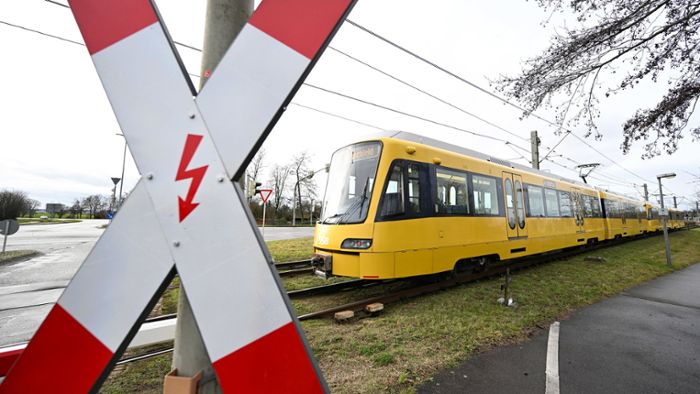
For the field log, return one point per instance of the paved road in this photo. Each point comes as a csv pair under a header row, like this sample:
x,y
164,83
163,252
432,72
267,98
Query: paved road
x,y
29,288
646,340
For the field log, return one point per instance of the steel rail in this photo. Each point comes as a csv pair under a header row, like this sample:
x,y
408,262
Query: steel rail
x,y
459,279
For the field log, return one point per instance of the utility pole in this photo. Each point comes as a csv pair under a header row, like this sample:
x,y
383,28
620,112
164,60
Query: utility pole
x,y
664,216
646,193
224,20
675,203
535,149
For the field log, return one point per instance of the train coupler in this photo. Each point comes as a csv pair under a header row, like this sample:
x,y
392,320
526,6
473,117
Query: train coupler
x,y
322,265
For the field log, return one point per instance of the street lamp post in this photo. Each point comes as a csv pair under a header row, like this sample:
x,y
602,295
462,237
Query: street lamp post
x,y
664,216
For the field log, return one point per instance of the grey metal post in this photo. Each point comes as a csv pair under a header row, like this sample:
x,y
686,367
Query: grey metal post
x,y
224,20
535,149
121,185
664,219
646,192
294,205
7,230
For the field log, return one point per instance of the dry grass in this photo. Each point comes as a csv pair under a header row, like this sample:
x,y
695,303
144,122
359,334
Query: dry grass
x,y
15,255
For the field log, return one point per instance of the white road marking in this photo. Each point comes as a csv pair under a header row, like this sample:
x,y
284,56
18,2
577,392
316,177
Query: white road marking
x,y
552,370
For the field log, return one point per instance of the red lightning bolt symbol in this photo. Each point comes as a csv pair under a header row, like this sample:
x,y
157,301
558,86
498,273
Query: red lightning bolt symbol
x,y
187,205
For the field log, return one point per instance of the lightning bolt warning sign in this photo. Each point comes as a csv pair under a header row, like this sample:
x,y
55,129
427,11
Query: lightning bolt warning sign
x,y
186,206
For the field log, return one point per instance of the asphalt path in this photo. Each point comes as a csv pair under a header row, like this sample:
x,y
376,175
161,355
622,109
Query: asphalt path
x,y
646,340
29,288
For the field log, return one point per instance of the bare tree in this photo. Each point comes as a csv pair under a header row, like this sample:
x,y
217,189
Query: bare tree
x,y
622,41
13,204
278,183
257,164
94,204
76,209
32,205
303,177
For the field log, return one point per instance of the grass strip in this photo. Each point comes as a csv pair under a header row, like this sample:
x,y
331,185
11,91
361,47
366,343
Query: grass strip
x,y
412,340
14,255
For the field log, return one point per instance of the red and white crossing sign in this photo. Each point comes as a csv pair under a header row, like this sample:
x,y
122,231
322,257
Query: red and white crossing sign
x,y
185,215
265,194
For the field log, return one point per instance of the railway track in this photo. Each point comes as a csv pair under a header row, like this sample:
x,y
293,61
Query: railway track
x,y
464,278
404,293
294,268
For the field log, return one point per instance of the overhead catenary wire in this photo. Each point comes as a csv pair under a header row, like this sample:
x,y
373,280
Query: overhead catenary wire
x,y
424,119
174,42
475,86
338,116
550,150
68,40
412,86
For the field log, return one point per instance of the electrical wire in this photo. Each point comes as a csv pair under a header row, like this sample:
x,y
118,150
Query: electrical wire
x,y
474,85
338,116
413,116
355,59
58,37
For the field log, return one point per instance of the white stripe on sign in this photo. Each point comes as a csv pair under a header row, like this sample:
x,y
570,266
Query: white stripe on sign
x,y
253,88
552,370
121,273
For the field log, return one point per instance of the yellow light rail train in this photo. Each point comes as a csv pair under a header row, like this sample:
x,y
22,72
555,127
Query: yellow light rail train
x,y
404,205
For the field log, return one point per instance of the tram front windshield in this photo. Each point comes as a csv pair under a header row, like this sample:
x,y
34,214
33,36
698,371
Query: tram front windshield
x,y
350,182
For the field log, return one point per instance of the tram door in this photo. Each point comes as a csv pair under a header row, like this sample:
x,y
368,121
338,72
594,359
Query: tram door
x,y
514,197
577,200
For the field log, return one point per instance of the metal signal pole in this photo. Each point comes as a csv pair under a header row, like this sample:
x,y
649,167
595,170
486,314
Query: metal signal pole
x,y
224,20
646,193
535,149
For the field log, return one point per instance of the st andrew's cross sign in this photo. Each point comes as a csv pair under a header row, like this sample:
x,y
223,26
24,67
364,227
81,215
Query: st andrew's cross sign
x,y
185,215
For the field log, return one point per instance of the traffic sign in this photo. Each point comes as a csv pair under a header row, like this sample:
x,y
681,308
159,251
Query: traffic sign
x,y
265,194
8,226
116,180
190,144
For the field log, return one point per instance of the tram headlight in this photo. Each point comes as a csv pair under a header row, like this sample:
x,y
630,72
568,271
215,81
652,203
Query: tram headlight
x,y
353,243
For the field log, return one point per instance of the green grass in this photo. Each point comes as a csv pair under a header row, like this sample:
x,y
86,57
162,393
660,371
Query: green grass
x,y
403,347
291,249
31,221
14,255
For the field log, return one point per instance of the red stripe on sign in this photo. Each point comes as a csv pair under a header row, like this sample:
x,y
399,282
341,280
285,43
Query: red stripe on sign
x,y
303,25
105,22
61,357
275,363
7,359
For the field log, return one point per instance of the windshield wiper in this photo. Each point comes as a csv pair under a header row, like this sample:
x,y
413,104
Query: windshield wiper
x,y
351,210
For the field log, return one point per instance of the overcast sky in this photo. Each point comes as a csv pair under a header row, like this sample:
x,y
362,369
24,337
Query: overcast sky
x,y
57,130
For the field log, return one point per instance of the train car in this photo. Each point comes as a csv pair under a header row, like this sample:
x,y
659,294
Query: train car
x,y
676,219
653,218
403,205
624,217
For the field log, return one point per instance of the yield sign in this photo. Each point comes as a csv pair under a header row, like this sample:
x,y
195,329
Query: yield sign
x,y
185,215
265,194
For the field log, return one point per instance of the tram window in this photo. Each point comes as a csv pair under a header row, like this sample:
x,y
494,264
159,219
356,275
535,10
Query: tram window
x,y
393,197
451,192
520,204
535,200
485,195
414,187
351,187
552,202
586,201
595,207
510,204
565,204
